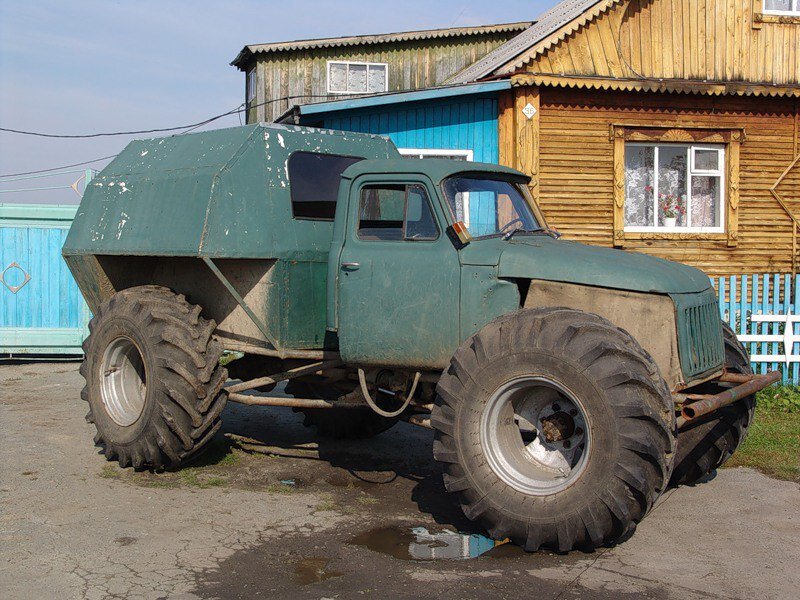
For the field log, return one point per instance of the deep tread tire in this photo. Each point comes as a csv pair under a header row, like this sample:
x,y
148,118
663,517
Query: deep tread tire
x,y
341,423
630,416
184,392
707,444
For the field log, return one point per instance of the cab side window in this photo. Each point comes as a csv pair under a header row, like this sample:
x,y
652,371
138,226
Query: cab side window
x,y
395,213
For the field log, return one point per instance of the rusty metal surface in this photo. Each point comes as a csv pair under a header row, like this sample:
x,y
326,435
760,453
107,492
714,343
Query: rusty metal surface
x,y
709,404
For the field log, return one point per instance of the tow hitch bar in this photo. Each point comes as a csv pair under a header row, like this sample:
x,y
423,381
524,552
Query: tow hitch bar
x,y
697,405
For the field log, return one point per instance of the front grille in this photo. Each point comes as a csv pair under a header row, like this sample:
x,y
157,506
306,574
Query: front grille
x,y
700,340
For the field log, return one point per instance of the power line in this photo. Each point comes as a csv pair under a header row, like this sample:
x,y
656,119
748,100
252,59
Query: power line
x,y
239,109
80,164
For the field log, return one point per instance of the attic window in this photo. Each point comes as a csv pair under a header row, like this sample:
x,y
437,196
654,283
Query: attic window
x,y
347,77
251,84
790,8
314,183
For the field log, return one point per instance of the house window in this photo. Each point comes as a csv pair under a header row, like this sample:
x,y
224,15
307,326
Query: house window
x,y
251,84
674,187
782,7
436,153
347,77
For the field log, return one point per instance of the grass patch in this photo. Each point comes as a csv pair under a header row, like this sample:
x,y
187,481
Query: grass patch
x,y
110,472
773,443
280,488
192,478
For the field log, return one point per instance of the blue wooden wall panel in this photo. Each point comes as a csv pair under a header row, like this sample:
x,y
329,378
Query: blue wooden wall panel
x,y
452,124
47,315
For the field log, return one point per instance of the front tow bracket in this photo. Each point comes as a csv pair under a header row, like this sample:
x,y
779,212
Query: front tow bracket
x,y
697,405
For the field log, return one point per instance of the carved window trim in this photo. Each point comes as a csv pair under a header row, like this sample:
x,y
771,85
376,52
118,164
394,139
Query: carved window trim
x,y
761,16
732,138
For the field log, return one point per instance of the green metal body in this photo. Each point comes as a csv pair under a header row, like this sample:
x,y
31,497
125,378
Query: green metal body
x,y
225,195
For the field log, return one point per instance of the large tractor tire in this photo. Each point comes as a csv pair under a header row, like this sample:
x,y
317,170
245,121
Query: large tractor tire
x,y
338,423
153,380
555,429
707,443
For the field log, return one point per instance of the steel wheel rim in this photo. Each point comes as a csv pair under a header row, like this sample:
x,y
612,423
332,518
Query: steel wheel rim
x,y
123,381
527,440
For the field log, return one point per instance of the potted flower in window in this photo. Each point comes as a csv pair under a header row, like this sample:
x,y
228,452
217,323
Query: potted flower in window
x,y
672,207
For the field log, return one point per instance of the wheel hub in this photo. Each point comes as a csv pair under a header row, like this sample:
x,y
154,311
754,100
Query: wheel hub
x,y
123,385
534,434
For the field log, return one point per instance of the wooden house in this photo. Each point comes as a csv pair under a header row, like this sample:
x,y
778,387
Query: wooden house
x,y
285,73
670,127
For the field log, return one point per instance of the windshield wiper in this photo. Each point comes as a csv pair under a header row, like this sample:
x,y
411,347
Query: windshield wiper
x,y
547,231
511,233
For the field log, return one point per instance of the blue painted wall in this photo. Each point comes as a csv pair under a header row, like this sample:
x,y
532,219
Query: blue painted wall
x,y
451,124
47,314
455,123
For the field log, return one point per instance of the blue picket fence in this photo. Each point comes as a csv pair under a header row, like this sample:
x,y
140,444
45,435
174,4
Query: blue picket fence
x,y
764,311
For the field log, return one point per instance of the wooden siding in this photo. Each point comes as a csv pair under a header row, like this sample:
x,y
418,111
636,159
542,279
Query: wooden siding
x,y
697,40
47,315
576,170
412,65
452,124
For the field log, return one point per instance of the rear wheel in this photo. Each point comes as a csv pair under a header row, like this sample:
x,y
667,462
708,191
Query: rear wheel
x,y
153,380
555,429
707,443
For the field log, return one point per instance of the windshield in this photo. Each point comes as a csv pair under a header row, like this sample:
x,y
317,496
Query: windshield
x,y
489,206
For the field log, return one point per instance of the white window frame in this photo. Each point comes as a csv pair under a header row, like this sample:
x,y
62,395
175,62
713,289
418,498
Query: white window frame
x,y
436,152
692,148
439,152
250,84
794,12
347,63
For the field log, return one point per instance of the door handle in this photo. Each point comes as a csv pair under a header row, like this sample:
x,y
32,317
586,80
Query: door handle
x,y
351,266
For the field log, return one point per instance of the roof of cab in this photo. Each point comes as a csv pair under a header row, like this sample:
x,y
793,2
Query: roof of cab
x,y
435,168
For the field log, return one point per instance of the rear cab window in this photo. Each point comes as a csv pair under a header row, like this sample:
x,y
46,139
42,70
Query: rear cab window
x,y
314,183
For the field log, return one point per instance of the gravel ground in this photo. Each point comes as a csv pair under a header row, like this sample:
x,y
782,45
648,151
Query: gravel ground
x,y
273,512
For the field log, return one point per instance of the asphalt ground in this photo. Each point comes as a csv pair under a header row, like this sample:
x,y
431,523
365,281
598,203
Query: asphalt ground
x,y
272,512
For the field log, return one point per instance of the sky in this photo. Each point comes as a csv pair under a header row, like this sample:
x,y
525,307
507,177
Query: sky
x,y
87,66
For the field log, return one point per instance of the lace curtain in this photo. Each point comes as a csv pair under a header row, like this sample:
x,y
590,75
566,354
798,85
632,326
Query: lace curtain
x,y
639,185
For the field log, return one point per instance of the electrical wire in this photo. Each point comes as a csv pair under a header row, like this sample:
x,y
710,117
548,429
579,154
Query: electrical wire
x,y
80,164
238,110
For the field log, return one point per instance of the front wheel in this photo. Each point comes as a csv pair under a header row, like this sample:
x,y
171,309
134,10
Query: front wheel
x,y
555,429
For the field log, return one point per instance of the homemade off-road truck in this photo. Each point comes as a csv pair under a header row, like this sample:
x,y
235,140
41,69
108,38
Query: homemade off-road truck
x,y
566,385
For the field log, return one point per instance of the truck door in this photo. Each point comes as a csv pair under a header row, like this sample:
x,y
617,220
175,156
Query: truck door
x,y
398,277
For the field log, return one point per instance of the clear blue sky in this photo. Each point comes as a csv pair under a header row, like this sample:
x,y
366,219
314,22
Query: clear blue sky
x,y
102,65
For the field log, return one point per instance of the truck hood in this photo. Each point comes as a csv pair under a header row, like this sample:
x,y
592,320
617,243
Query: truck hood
x,y
542,257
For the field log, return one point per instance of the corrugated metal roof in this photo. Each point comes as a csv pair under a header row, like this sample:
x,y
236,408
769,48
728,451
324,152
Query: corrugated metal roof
x,y
363,40
547,24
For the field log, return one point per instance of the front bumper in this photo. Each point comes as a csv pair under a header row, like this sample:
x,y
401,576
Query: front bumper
x,y
694,406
